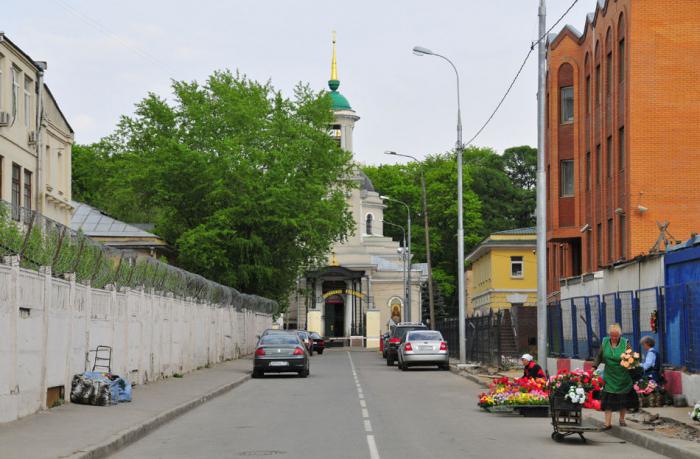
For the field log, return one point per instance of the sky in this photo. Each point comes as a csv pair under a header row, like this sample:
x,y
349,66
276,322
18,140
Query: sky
x,y
103,57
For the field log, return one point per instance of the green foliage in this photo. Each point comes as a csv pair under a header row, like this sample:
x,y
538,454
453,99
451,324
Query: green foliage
x,y
498,192
244,182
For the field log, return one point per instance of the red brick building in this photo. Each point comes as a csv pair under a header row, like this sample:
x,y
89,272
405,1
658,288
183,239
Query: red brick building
x,y
623,133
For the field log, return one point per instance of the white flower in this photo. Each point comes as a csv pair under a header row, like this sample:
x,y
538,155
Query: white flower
x,y
580,391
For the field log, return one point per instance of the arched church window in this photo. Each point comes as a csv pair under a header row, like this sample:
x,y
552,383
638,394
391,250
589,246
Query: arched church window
x,y
368,224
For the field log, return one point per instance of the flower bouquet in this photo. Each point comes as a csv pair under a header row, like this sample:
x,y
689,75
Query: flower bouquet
x,y
629,359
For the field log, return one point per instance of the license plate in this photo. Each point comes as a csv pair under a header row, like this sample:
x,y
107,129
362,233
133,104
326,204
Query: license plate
x,y
425,348
279,363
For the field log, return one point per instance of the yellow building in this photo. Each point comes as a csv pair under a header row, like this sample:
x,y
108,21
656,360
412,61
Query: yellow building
x,y
503,271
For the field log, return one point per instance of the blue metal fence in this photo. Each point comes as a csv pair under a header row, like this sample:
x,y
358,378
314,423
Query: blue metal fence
x,y
576,326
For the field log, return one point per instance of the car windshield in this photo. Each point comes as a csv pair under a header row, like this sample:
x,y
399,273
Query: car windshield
x,y
302,335
400,332
279,339
315,336
424,336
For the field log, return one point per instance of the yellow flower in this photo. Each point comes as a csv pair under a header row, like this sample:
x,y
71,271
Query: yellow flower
x,y
630,360
625,364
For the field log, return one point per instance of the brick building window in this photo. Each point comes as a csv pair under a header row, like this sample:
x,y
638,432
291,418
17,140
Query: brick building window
x,y
599,244
516,267
610,240
597,86
623,238
16,191
566,186
588,95
589,249
621,149
609,156
567,104
588,171
598,164
621,61
609,73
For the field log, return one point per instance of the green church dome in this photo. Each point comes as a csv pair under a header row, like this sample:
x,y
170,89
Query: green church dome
x,y
338,101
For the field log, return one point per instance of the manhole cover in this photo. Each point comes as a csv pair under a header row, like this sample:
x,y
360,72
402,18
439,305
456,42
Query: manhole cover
x,y
261,453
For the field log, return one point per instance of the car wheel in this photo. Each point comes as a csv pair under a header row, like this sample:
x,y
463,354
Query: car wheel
x,y
303,373
383,354
444,367
320,351
257,373
389,361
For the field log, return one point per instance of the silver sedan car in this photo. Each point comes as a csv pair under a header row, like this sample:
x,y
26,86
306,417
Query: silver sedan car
x,y
423,348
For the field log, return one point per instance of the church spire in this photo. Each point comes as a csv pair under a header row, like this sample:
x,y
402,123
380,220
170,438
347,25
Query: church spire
x,y
334,82
334,63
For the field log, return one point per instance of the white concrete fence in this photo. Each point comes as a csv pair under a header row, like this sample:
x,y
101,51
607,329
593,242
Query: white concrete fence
x,y
48,326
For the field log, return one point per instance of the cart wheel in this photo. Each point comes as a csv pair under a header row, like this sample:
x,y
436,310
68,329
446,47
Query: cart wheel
x,y
557,437
583,439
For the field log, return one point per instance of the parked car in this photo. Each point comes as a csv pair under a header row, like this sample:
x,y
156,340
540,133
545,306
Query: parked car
x,y
423,348
384,343
306,339
397,336
281,353
319,343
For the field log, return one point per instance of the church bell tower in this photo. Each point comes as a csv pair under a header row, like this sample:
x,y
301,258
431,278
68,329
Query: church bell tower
x,y
344,116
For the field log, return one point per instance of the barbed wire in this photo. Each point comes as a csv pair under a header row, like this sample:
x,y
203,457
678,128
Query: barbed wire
x,y
40,241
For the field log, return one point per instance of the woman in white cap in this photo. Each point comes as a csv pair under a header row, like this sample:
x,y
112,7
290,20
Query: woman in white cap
x,y
530,368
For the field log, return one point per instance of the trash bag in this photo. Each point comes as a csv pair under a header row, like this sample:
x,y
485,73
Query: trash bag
x,y
91,388
121,390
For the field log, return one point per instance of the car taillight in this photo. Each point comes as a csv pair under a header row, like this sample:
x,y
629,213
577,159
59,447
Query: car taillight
x,y
298,351
321,342
409,347
260,351
443,346
394,340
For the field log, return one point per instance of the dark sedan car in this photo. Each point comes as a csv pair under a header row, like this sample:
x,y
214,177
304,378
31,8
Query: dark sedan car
x,y
281,353
319,342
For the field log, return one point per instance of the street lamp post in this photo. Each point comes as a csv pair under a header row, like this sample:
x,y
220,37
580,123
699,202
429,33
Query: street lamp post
x,y
420,51
403,256
408,293
431,303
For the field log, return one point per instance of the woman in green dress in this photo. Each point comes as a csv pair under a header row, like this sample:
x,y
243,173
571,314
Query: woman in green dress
x,y
618,393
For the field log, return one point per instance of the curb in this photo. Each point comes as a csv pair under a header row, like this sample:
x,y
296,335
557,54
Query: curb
x,y
132,434
661,446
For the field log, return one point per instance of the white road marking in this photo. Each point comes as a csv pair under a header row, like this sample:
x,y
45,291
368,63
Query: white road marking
x,y
373,451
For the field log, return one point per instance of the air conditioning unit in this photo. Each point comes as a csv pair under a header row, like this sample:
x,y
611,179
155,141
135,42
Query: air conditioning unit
x,y
32,138
5,119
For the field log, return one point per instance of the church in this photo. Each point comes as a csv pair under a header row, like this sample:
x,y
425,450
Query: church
x,y
361,290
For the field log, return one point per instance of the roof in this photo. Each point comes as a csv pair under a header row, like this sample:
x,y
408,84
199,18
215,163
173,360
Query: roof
x,y
95,223
591,18
366,182
499,239
338,101
519,231
3,38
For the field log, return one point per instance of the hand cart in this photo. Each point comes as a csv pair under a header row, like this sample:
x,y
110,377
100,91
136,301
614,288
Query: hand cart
x,y
567,419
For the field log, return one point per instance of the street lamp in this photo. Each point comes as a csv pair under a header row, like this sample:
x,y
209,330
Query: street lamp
x,y
408,294
403,256
431,304
420,51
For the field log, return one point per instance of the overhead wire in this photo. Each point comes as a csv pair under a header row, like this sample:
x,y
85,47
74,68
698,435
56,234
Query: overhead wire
x,y
517,75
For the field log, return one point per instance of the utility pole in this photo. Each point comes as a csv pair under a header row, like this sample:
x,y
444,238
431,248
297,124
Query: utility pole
x,y
431,301
541,193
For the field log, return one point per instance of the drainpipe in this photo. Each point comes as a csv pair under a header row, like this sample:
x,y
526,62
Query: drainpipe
x,y
40,186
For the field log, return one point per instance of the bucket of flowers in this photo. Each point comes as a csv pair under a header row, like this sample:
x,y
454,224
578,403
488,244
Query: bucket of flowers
x,y
644,388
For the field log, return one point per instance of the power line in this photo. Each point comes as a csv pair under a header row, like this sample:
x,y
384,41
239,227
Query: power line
x,y
518,73
107,32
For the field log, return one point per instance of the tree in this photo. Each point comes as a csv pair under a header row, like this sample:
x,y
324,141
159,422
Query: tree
x,y
244,182
521,166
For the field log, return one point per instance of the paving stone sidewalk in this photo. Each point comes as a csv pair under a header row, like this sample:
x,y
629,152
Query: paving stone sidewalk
x,y
81,431
677,436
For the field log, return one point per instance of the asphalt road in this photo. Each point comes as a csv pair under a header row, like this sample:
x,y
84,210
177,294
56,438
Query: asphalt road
x,y
354,406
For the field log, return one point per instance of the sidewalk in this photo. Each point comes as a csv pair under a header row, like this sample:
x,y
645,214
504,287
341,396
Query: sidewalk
x,y
673,435
81,431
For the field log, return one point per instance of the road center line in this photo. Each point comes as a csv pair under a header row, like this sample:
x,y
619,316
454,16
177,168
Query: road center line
x,y
371,443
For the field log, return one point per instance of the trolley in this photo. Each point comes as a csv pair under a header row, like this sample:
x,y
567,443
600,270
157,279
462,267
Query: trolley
x,y
567,419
